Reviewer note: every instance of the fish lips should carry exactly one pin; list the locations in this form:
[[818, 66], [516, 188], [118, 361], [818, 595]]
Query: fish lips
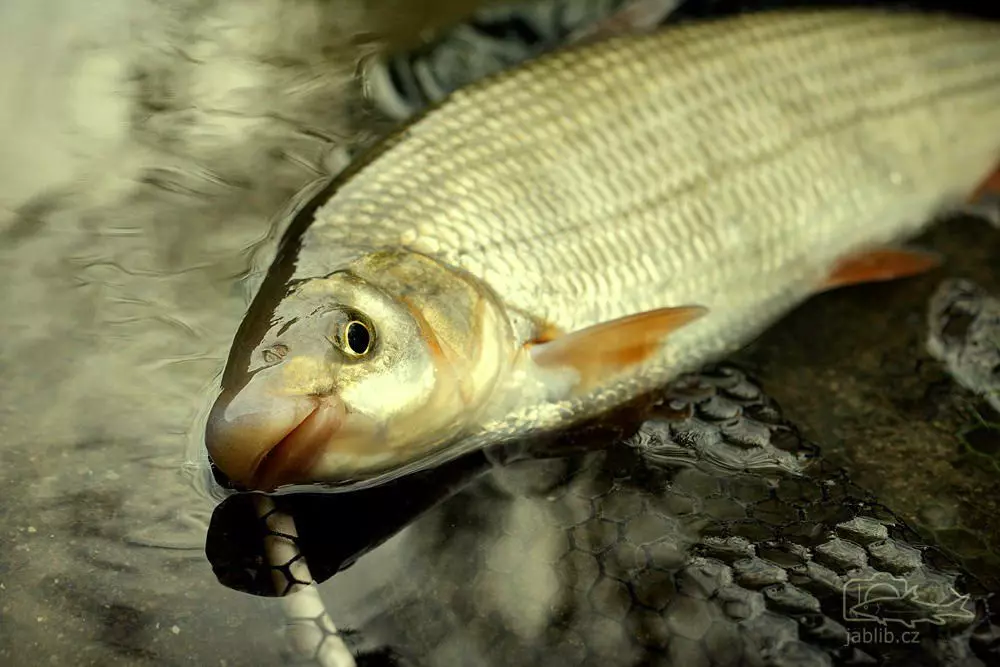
[[262, 450]]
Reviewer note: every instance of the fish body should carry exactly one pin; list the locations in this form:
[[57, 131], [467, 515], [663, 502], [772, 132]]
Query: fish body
[[701, 180]]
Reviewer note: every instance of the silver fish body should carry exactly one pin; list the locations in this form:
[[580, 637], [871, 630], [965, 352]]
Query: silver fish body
[[728, 164]]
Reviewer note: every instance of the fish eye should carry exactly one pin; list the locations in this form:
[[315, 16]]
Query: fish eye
[[357, 338]]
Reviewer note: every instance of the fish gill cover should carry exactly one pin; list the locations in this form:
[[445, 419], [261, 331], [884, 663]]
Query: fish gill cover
[[712, 535]]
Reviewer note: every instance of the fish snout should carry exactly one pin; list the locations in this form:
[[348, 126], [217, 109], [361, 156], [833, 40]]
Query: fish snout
[[262, 442]]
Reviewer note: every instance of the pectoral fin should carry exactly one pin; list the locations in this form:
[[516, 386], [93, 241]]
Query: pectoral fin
[[880, 265], [607, 349]]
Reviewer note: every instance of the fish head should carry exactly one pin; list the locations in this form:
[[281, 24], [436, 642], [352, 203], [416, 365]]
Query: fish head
[[360, 371]]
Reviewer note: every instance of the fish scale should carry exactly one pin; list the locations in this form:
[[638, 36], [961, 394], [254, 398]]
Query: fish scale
[[871, 36], [729, 164], [735, 161]]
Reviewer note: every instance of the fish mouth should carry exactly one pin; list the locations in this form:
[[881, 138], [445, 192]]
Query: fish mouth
[[292, 459]]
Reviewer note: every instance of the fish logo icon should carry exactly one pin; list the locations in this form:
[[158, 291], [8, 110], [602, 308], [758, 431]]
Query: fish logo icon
[[885, 599]]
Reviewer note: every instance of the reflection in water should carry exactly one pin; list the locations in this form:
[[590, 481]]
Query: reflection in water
[[146, 146]]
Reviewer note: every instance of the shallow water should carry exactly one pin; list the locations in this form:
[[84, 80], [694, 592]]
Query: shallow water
[[145, 154]]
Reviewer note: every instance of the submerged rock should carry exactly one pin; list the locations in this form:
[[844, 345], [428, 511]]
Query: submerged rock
[[964, 334]]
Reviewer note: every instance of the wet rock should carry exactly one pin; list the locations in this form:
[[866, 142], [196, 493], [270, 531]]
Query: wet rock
[[964, 334]]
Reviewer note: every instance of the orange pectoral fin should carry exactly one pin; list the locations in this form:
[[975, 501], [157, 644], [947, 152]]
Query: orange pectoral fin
[[880, 265], [608, 348]]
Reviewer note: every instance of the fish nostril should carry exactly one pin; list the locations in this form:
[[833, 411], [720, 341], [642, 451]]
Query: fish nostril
[[275, 353]]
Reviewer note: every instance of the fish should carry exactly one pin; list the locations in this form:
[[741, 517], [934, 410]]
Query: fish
[[560, 238]]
